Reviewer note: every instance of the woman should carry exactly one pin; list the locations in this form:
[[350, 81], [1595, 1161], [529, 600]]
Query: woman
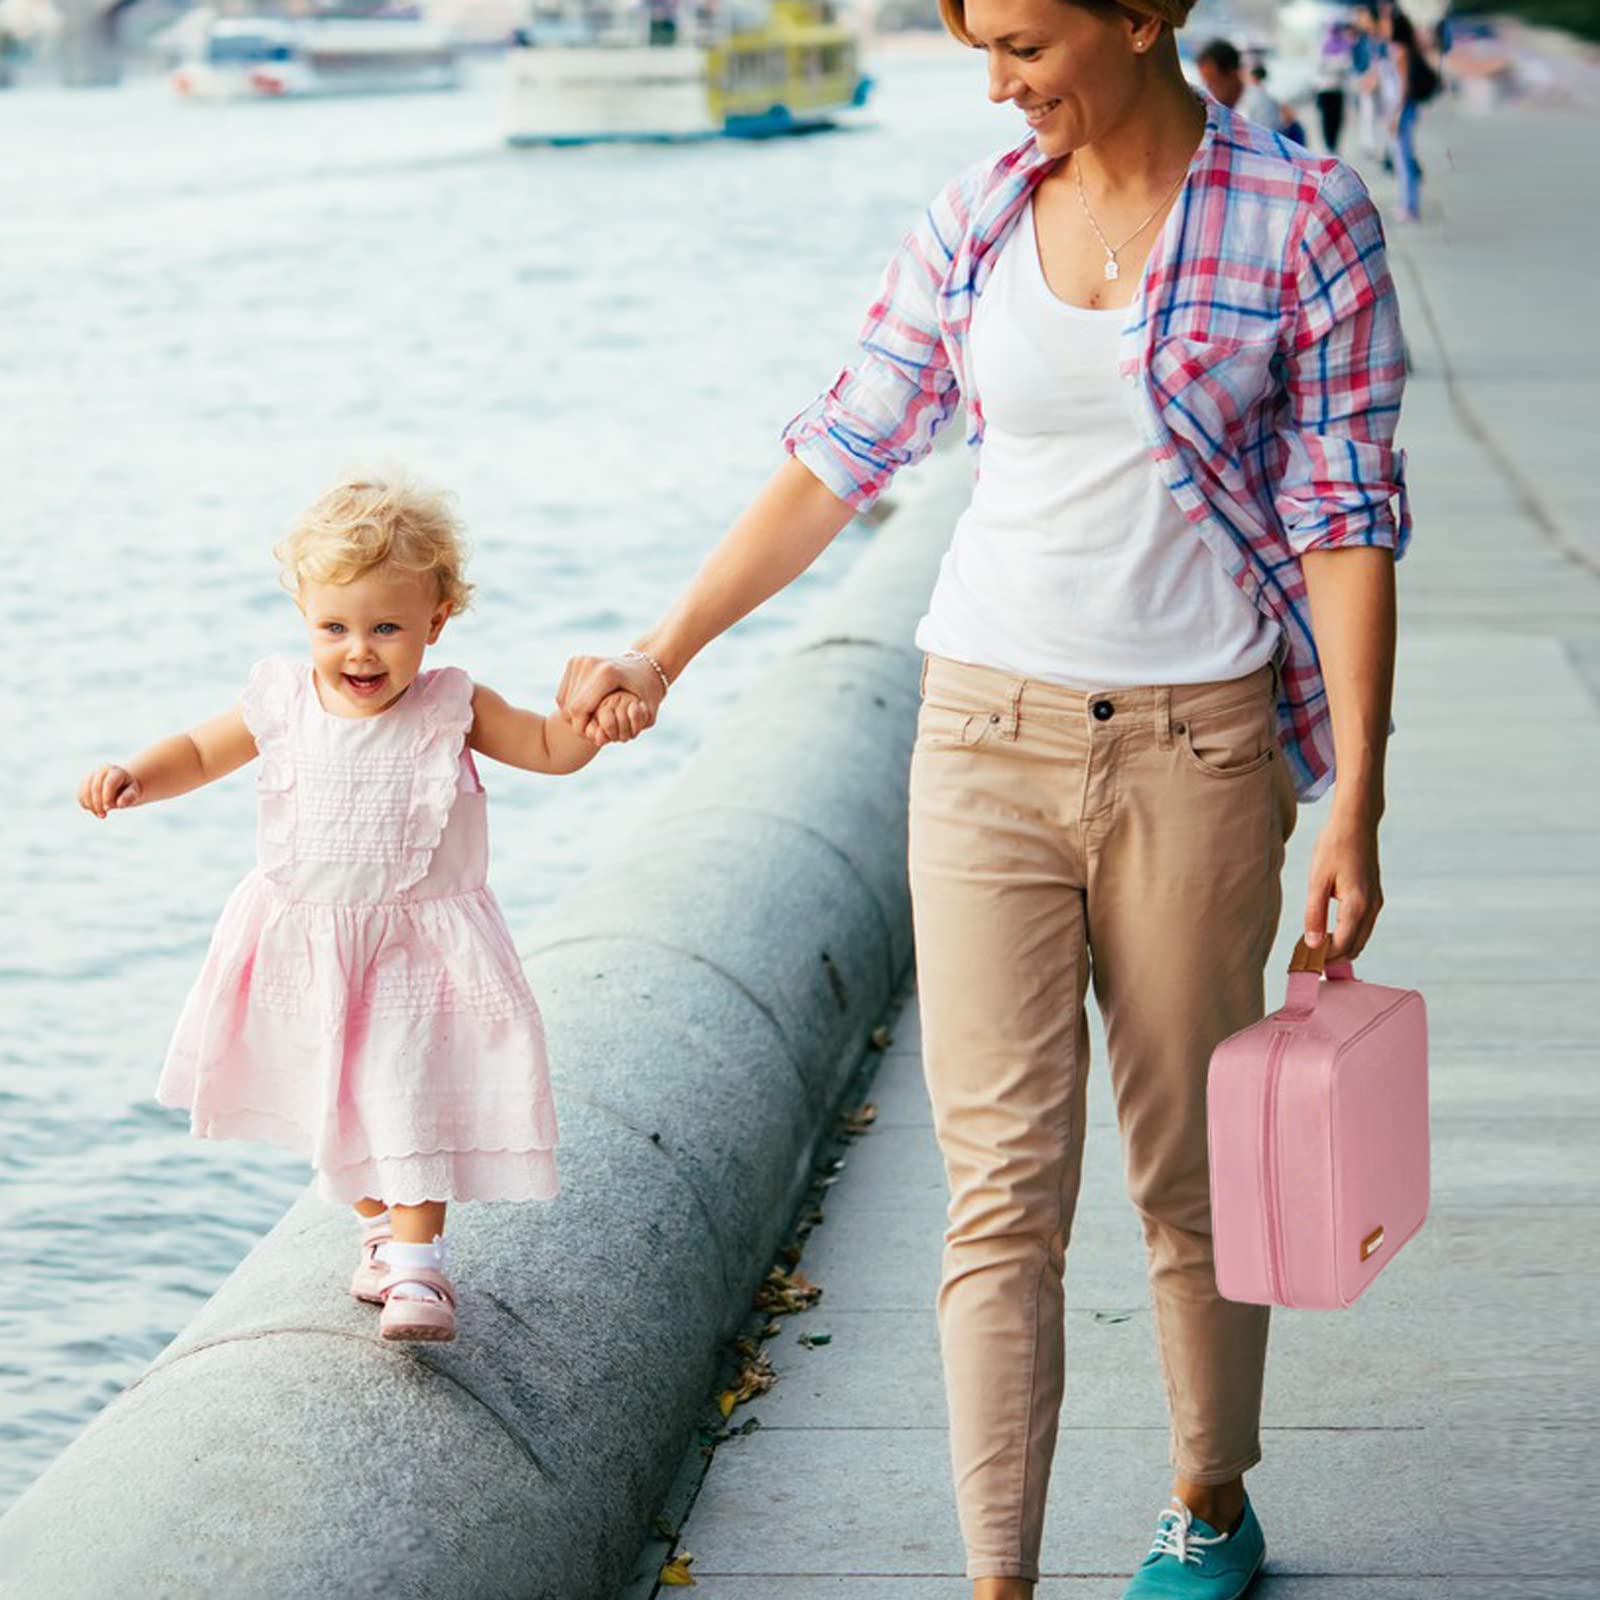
[[1411, 81], [1178, 345]]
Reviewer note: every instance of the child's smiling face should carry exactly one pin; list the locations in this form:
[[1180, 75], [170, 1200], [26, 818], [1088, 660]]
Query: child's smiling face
[[368, 636]]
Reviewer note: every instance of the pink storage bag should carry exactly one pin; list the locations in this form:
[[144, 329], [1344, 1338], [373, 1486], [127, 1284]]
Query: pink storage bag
[[1317, 1124]]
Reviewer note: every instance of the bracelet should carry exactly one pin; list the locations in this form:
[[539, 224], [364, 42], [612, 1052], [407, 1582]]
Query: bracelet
[[642, 655]]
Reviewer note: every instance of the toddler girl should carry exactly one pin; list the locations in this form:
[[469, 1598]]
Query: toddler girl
[[362, 1000]]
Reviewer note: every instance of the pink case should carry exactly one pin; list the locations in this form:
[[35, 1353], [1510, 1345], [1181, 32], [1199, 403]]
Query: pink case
[[1317, 1120]]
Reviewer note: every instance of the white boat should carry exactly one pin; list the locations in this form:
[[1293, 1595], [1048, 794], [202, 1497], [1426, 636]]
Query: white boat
[[231, 58], [680, 69]]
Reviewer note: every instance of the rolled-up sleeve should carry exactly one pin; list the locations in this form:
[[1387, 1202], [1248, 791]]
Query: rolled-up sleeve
[[1342, 482], [882, 411]]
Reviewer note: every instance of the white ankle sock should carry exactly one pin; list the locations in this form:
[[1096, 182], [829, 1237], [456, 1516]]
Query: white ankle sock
[[400, 1255]]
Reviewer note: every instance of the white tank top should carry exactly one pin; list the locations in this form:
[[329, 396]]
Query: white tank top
[[1073, 563]]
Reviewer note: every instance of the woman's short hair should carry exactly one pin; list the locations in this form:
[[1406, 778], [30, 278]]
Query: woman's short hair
[[368, 522], [1172, 12]]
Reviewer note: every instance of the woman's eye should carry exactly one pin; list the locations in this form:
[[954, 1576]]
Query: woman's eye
[[1027, 53]]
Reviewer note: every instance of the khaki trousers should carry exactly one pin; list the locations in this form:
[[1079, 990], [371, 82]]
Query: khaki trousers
[[1135, 836]]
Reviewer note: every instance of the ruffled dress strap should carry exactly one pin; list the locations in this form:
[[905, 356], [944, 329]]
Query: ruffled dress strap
[[268, 704], [443, 721]]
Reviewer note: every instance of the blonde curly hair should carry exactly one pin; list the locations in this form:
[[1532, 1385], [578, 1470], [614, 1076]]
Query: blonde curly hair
[[369, 521]]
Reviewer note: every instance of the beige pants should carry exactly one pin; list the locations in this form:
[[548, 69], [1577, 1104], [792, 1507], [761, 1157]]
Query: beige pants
[[1138, 835]]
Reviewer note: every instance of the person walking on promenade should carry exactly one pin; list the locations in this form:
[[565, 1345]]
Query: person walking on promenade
[[362, 1000], [1165, 618], [1366, 53], [1333, 75], [1223, 72], [1411, 81]]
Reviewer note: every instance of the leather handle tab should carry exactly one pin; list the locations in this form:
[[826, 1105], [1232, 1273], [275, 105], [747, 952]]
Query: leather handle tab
[[1307, 959], [1307, 968]]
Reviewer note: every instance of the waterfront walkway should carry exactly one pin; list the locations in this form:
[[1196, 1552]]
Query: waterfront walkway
[[1433, 1440]]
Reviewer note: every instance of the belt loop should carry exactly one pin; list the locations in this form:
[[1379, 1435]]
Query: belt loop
[[1164, 717], [1013, 711]]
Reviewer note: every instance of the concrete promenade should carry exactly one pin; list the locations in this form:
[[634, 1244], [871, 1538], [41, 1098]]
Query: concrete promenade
[[1434, 1439]]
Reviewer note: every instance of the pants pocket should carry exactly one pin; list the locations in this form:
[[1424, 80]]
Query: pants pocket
[[947, 726], [1227, 742]]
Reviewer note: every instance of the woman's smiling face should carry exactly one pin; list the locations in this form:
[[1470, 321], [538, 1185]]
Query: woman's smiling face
[[368, 636], [1070, 69]]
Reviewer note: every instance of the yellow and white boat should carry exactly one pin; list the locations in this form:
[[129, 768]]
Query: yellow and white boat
[[681, 69]]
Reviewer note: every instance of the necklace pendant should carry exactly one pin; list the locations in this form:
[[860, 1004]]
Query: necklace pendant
[[1113, 271]]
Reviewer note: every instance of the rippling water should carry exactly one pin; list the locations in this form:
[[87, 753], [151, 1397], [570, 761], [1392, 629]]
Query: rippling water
[[205, 312]]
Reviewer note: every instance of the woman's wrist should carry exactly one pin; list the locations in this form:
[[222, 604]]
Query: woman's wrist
[[636, 654], [1358, 808]]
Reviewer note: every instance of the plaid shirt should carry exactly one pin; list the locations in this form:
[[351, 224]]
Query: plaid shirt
[[1265, 341]]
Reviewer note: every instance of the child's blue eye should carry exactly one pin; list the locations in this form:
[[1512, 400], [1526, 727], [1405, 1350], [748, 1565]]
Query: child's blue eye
[[334, 627], [387, 627]]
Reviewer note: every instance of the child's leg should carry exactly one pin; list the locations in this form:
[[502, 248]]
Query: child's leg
[[368, 1209], [419, 1224], [418, 1242]]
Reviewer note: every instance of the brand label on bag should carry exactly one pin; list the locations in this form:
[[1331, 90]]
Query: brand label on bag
[[1371, 1242]]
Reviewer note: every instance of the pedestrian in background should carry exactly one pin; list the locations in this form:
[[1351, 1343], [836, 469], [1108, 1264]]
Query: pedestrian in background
[[1366, 51], [1410, 83], [1262, 106], [1333, 76]]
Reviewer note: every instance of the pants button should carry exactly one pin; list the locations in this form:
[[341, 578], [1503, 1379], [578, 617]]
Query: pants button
[[1102, 710]]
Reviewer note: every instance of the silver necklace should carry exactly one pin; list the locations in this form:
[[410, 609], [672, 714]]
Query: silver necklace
[[1113, 271]]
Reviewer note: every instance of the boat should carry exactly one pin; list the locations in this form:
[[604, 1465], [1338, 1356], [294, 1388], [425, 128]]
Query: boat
[[231, 58], [668, 70]]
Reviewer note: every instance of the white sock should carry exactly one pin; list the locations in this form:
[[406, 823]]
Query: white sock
[[400, 1255]]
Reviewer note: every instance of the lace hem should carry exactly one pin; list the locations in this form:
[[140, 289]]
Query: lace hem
[[436, 753], [508, 1175], [511, 1173]]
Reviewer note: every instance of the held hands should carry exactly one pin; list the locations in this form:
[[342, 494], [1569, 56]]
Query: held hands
[[1344, 867], [109, 788], [610, 699]]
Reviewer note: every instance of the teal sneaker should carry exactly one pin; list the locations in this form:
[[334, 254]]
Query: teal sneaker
[[1190, 1560]]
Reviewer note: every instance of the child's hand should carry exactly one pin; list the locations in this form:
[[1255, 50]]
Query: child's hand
[[109, 788], [621, 716]]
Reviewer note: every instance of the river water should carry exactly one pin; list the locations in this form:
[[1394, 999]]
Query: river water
[[206, 313]]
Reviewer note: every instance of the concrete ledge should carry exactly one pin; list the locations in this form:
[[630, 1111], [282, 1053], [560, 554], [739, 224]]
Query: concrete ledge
[[708, 994]]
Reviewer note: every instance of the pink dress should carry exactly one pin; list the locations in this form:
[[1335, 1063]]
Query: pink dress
[[362, 1001]]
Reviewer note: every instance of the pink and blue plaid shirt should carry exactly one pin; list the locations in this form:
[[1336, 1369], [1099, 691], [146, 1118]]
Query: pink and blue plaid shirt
[[1265, 340]]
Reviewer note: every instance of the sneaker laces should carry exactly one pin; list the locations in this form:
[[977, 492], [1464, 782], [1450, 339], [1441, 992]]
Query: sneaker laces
[[1175, 1535]]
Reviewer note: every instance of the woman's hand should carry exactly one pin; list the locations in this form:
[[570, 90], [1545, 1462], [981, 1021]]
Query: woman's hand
[[108, 788], [1344, 867], [608, 698]]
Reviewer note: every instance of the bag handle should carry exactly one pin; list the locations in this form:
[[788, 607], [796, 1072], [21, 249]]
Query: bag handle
[[1308, 966]]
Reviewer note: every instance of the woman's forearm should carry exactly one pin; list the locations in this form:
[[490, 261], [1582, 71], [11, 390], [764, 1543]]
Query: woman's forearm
[[1352, 599], [785, 528]]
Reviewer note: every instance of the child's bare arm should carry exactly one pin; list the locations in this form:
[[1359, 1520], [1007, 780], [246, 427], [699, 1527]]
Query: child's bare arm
[[519, 738], [172, 767]]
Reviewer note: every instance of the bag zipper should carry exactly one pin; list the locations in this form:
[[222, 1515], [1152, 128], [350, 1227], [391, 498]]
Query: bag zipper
[[1269, 1165]]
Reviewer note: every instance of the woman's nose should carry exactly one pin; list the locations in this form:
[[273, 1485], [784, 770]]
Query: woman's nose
[[1003, 84]]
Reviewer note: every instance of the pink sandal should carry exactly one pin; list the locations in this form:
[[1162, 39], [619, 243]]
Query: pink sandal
[[417, 1319], [368, 1280]]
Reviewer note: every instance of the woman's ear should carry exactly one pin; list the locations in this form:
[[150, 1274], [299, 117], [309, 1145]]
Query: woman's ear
[[1143, 30]]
